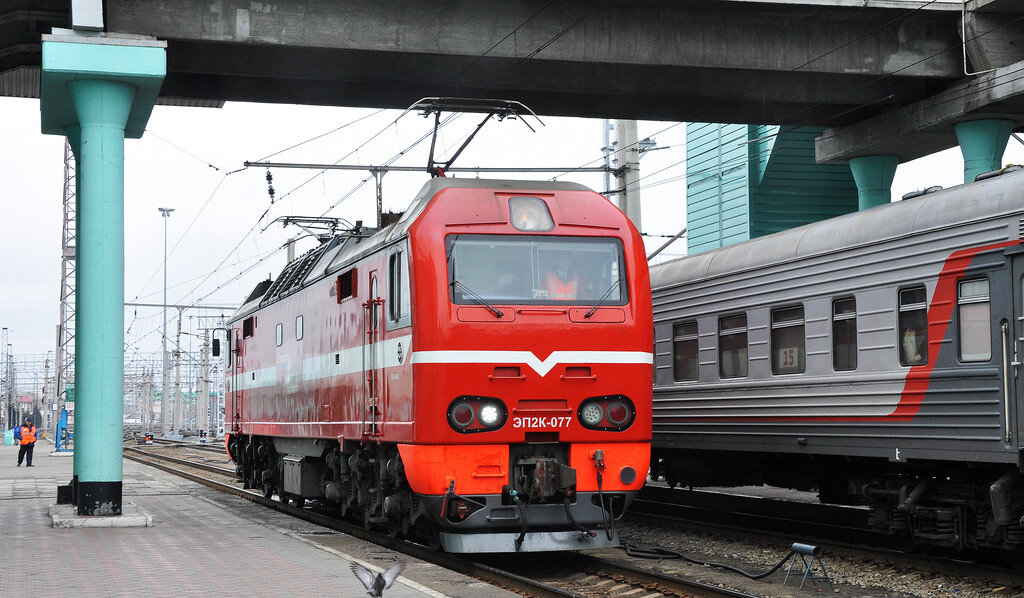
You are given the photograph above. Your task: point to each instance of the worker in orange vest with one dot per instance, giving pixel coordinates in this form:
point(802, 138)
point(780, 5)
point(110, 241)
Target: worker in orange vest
point(27, 433)
point(562, 285)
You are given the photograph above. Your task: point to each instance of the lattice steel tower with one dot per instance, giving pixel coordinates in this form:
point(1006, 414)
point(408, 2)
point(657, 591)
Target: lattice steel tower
point(65, 360)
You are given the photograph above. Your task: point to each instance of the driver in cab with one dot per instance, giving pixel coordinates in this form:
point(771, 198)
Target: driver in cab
point(562, 283)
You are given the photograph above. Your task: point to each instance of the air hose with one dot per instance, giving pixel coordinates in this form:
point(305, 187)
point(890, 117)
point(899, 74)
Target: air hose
point(572, 520)
point(607, 523)
point(664, 553)
point(609, 528)
point(522, 515)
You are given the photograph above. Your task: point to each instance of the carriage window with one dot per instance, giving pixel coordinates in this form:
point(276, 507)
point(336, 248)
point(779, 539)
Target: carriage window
point(788, 344)
point(732, 346)
point(398, 287)
point(975, 324)
point(684, 351)
point(913, 322)
point(535, 270)
point(298, 328)
point(844, 334)
point(280, 334)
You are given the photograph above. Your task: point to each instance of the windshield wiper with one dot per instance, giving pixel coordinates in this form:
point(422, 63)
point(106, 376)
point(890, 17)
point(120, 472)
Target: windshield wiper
point(476, 298)
point(602, 299)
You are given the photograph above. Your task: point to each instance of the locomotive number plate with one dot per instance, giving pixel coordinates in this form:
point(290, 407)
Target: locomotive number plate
point(541, 422)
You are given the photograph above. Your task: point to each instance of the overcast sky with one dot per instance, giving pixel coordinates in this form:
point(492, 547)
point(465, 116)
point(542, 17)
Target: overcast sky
point(187, 160)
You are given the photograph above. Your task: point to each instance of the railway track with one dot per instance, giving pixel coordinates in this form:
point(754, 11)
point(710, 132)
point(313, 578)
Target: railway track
point(217, 447)
point(577, 575)
point(840, 530)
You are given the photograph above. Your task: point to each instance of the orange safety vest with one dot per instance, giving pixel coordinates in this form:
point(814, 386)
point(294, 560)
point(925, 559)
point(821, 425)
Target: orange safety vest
point(28, 434)
point(557, 289)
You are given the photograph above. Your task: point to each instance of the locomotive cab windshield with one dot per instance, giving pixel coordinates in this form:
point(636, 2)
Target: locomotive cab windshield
point(536, 270)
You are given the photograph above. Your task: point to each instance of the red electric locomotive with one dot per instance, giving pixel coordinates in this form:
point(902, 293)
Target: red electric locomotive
point(479, 370)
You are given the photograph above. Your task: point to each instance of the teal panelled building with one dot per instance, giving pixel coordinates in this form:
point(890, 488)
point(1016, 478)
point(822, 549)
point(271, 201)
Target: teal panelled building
point(746, 181)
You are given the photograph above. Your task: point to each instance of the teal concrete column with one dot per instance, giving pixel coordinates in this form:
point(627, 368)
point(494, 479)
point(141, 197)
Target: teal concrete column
point(982, 143)
point(105, 90)
point(102, 107)
point(874, 175)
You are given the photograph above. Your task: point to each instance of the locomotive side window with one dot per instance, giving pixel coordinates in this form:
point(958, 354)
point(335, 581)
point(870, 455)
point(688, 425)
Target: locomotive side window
point(536, 270)
point(788, 343)
point(346, 285)
point(913, 326)
point(279, 334)
point(844, 334)
point(398, 287)
point(684, 351)
point(298, 328)
point(248, 327)
point(732, 346)
point(975, 323)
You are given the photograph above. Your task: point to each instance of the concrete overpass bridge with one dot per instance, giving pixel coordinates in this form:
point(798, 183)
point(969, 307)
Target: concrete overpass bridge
point(862, 64)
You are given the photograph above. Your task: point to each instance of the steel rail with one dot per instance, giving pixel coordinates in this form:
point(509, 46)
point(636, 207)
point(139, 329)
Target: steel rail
point(657, 581)
point(198, 465)
point(448, 561)
point(182, 444)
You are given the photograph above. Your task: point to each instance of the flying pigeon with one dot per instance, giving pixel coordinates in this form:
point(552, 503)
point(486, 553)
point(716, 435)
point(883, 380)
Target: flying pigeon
point(376, 584)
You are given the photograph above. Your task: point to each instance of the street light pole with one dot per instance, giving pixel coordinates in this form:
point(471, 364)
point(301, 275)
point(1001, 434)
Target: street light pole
point(166, 213)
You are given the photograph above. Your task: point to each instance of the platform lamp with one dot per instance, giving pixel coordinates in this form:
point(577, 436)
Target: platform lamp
point(166, 213)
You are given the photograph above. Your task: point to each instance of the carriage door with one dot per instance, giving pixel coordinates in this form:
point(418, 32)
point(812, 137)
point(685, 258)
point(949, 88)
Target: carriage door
point(1010, 344)
point(235, 355)
point(373, 314)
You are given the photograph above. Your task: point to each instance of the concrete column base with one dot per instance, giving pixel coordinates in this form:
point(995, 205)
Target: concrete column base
point(874, 175)
point(982, 143)
point(65, 517)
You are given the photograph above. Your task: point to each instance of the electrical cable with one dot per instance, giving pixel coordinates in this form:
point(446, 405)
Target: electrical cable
point(181, 149)
point(650, 552)
point(498, 43)
point(334, 130)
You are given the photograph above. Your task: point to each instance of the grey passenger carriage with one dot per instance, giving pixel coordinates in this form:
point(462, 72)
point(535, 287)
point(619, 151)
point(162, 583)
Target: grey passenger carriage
point(874, 356)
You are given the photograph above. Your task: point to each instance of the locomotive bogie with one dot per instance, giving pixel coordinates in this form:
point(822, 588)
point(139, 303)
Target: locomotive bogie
point(872, 356)
point(430, 377)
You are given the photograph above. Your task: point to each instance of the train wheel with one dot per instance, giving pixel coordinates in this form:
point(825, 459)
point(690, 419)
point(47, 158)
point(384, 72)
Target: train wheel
point(299, 501)
point(268, 491)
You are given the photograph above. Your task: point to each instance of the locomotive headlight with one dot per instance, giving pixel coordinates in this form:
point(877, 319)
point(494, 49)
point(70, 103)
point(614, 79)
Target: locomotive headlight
point(592, 414)
point(489, 414)
point(470, 414)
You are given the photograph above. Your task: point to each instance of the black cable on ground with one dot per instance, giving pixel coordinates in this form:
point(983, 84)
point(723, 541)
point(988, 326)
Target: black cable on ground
point(654, 552)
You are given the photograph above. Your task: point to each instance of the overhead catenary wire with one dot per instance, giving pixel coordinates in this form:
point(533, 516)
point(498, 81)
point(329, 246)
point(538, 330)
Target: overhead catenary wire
point(322, 135)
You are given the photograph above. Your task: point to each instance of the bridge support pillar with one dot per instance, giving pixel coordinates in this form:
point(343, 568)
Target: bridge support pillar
point(982, 143)
point(873, 175)
point(105, 88)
